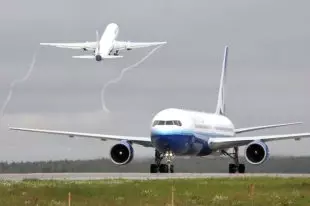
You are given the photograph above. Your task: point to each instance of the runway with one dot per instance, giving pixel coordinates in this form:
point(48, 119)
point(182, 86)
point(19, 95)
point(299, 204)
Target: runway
point(138, 176)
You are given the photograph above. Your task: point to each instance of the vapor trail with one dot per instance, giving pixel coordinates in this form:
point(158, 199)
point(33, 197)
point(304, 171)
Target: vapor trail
point(119, 78)
point(16, 81)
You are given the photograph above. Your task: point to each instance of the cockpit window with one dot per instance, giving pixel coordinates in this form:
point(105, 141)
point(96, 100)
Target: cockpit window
point(169, 122)
point(161, 122)
point(155, 123)
point(177, 122)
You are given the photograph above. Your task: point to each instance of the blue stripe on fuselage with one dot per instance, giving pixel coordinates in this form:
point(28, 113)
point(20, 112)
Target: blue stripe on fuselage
point(182, 142)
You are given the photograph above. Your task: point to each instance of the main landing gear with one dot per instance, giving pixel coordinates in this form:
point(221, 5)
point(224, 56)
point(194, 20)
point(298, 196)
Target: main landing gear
point(116, 53)
point(236, 167)
point(162, 168)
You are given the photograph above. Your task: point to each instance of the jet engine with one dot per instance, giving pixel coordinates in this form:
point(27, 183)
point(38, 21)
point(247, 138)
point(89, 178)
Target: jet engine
point(256, 152)
point(98, 57)
point(122, 153)
point(127, 46)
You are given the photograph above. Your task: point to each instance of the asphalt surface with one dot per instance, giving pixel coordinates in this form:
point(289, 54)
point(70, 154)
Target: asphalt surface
point(137, 176)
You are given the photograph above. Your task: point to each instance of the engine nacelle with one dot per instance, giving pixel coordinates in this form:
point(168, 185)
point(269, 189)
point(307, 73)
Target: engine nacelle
point(256, 152)
point(127, 46)
point(122, 153)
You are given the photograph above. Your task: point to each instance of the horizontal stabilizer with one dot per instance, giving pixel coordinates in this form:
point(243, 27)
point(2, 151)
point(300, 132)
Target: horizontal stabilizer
point(112, 57)
point(93, 57)
point(84, 57)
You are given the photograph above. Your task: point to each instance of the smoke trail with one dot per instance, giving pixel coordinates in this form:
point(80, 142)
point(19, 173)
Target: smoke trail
point(16, 81)
point(119, 78)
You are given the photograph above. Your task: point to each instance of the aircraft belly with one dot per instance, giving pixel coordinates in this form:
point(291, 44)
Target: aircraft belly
point(179, 144)
point(106, 46)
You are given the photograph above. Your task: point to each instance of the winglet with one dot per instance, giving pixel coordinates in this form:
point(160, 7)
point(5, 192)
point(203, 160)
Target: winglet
point(220, 108)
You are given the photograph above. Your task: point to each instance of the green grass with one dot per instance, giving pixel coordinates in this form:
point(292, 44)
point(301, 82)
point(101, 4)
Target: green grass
point(266, 191)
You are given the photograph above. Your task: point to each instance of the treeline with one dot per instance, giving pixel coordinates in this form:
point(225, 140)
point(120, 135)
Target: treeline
point(200, 165)
point(99, 165)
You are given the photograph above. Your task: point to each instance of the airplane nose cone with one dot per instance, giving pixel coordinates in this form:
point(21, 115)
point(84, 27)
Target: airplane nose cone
point(175, 139)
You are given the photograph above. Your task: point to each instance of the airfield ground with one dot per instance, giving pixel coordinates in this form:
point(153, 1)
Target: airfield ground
point(204, 191)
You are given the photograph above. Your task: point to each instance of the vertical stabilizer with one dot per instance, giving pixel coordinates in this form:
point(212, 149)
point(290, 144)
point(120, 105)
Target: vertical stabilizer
point(220, 108)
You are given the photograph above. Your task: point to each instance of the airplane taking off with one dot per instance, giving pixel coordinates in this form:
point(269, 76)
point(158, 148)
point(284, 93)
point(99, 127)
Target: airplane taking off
point(107, 47)
point(178, 132)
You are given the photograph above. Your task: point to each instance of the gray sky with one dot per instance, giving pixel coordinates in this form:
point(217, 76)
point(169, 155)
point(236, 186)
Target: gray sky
point(267, 82)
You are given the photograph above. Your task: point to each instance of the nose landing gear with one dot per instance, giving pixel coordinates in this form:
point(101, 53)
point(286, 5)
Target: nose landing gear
point(162, 168)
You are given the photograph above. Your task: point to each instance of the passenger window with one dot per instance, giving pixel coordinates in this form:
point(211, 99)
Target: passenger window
point(169, 123)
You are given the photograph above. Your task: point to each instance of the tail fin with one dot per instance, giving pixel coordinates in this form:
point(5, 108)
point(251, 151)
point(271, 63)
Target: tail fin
point(220, 108)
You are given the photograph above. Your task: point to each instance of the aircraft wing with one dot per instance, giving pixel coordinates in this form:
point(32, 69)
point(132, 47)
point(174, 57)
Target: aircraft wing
point(250, 129)
point(228, 142)
point(120, 45)
point(144, 141)
point(84, 45)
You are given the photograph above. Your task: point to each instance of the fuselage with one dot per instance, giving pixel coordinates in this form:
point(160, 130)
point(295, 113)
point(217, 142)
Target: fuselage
point(186, 132)
point(107, 39)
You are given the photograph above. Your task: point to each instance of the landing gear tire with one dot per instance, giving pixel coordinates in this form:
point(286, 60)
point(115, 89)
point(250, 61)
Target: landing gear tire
point(236, 167)
point(163, 168)
point(153, 168)
point(171, 168)
point(116, 53)
point(241, 168)
point(232, 168)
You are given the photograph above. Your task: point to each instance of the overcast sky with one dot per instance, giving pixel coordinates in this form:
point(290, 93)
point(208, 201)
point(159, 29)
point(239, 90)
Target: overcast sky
point(268, 70)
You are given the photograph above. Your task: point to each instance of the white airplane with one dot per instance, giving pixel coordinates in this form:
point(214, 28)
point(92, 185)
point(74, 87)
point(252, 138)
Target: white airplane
point(178, 132)
point(107, 47)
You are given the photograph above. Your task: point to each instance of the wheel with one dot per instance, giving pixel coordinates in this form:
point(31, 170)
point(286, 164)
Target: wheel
point(163, 168)
point(171, 168)
point(153, 168)
point(241, 168)
point(232, 168)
